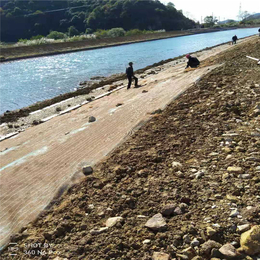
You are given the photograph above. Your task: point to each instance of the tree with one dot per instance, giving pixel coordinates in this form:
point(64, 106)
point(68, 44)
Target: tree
point(72, 31)
point(210, 21)
point(17, 11)
point(243, 15)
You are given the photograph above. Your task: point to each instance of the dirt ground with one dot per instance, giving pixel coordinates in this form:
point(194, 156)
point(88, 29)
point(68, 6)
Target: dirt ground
point(196, 163)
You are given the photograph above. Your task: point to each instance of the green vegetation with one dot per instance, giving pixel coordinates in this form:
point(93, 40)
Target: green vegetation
point(55, 36)
point(26, 19)
point(210, 21)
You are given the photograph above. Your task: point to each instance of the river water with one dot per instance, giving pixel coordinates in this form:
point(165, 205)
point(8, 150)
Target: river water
point(25, 82)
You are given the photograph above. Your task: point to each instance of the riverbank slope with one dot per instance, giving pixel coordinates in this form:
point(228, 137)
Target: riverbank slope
point(196, 163)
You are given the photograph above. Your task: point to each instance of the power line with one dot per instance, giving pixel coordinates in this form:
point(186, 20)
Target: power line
point(58, 10)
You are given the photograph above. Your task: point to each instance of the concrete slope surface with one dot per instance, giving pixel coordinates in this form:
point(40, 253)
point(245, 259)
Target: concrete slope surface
point(37, 162)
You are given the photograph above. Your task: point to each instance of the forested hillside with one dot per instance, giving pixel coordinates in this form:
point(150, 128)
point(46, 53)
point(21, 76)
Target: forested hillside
point(24, 19)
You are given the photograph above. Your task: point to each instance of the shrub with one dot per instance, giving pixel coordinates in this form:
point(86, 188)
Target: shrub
point(116, 32)
point(22, 40)
point(133, 32)
point(101, 34)
point(37, 37)
point(56, 35)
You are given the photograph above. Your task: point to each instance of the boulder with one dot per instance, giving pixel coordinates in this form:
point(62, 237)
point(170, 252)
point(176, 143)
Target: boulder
point(98, 231)
point(235, 169)
point(87, 170)
point(189, 252)
point(208, 246)
point(91, 119)
point(112, 221)
point(156, 223)
point(168, 210)
point(228, 251)
point(234, 213)
point(243, 228)
point(250, 241)
point(160, 256)
point(176, 165)
point(195, 242)
point(211, 231)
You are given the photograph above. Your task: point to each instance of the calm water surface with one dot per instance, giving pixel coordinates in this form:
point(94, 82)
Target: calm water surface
point(25, 82)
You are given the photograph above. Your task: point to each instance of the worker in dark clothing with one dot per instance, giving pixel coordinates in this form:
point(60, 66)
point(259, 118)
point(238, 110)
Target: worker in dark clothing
point(234, 39)
point(130, 75)
point(259, 31)
point(193, 62)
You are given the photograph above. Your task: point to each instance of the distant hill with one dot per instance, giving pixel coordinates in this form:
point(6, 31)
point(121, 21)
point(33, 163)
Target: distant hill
point(227, 21)
point(24, 19)
point(253, 17)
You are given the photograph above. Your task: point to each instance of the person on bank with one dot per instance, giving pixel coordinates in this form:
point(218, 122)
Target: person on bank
point(193, 62)
point(259, 32)
point(130, 75)
point(234, 39)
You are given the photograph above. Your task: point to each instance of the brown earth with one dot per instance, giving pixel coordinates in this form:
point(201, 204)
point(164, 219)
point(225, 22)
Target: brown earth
point(212, 126)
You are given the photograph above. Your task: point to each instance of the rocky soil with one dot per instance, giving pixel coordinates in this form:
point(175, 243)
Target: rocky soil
point(184, 186)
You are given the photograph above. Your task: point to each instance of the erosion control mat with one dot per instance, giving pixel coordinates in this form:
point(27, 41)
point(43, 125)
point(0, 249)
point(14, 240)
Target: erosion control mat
point(196, 165)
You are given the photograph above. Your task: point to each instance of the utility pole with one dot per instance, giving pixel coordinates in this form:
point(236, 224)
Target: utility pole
point(240, 11)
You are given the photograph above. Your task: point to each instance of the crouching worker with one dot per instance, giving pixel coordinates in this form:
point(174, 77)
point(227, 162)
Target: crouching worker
point(130, 75)
point(193, 62)
point(234, 39)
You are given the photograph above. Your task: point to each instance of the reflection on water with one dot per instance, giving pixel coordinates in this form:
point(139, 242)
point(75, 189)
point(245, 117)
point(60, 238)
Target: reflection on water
point(25, 82)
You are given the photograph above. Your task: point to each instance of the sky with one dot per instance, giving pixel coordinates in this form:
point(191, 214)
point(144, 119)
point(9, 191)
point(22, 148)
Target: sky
point(223, 9)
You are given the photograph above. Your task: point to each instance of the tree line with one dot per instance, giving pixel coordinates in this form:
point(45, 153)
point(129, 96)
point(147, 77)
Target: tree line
point(25, 19)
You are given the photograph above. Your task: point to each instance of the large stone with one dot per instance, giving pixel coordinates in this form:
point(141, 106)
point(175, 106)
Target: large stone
point(87, 170)
point(178, 211)
point(91, 119)
point(211, 231)
point(235, 169)
point(156, 223)
point(250, 241)
point(232, 198)
point(234, 213)
point(160, 256)
point(112, 221)
point(189, 252)
point(228, 251)
point(243, 228)
point(168, 210)
point(208, 246)
point(98, 231)
point(176, 165)
point(195, 242)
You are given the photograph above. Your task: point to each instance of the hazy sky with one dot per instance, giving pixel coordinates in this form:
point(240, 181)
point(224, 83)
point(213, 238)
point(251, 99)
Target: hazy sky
point(225, 9)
